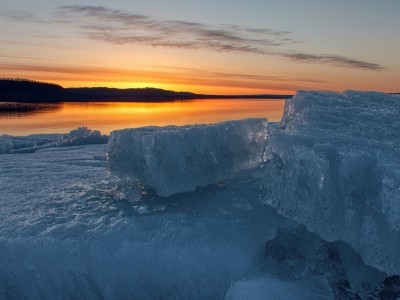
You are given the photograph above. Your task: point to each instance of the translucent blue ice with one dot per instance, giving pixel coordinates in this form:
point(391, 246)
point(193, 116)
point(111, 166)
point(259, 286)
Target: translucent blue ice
point(176, 159)
point(334, 165)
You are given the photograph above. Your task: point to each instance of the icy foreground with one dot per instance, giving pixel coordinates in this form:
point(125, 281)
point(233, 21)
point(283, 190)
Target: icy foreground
point(67, 231)
point(65, 235)
point(334, 165)
point(178, 159)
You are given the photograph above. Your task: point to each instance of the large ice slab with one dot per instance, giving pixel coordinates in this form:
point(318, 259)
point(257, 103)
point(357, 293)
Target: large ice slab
point(334, 165)
point(176, 159)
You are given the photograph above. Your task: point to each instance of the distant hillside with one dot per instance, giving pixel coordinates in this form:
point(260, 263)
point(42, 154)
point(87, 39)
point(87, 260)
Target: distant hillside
point(98, 93)
point(28, 90)
point(22, 90)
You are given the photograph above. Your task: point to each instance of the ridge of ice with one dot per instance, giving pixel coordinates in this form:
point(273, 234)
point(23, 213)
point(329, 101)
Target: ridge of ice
point(334, 165)
point(32, 143)
point(176, 159)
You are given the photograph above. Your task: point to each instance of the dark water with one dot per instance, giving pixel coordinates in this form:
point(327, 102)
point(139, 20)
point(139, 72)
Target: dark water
point(18, 110)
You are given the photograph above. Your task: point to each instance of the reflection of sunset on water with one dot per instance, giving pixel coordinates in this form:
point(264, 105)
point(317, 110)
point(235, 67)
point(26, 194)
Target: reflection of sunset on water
point(110, 116)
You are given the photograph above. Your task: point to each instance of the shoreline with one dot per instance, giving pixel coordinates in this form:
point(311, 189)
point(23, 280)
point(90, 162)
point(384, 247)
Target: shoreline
point(56, 99)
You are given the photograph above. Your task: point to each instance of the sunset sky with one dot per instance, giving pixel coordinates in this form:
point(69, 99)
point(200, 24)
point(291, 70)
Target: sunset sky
point(219, 47)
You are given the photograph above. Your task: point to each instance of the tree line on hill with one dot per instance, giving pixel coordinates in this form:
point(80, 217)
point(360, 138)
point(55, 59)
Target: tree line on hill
point(24, 90)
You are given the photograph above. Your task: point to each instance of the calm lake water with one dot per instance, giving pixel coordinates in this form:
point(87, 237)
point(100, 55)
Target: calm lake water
point(24, 119)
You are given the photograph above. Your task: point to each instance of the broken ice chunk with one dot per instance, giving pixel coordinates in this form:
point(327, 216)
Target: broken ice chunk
point(176, 159)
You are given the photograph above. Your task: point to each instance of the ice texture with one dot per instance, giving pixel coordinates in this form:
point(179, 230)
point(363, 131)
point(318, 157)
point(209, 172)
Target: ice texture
point(69, 229)
point(175, 159)
point(269, 287)
point(334, 165)
point(82, 136)
point(299, 254)
point(64, 234)
point(29, 144)
point(11, 144)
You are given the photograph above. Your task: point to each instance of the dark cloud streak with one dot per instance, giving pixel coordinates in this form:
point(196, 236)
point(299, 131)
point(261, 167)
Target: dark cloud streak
point(141, 29)
point(21, 16)
point(336, 60)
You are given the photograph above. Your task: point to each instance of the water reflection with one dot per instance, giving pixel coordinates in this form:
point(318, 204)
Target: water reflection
point(17, 110)
point(109, 116)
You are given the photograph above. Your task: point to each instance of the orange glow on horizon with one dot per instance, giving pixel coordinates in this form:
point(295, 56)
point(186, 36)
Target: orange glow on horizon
point(176, 80)
point(199, 81)
point(111, 116)
point(193, 88)
point(198, 89)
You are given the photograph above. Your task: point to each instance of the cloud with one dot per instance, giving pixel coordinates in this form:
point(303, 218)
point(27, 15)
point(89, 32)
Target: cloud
point(120, 27)
point(18, 57)
point(161, 74)
point(242, 76)
point(22, 16)
point(336, 60)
